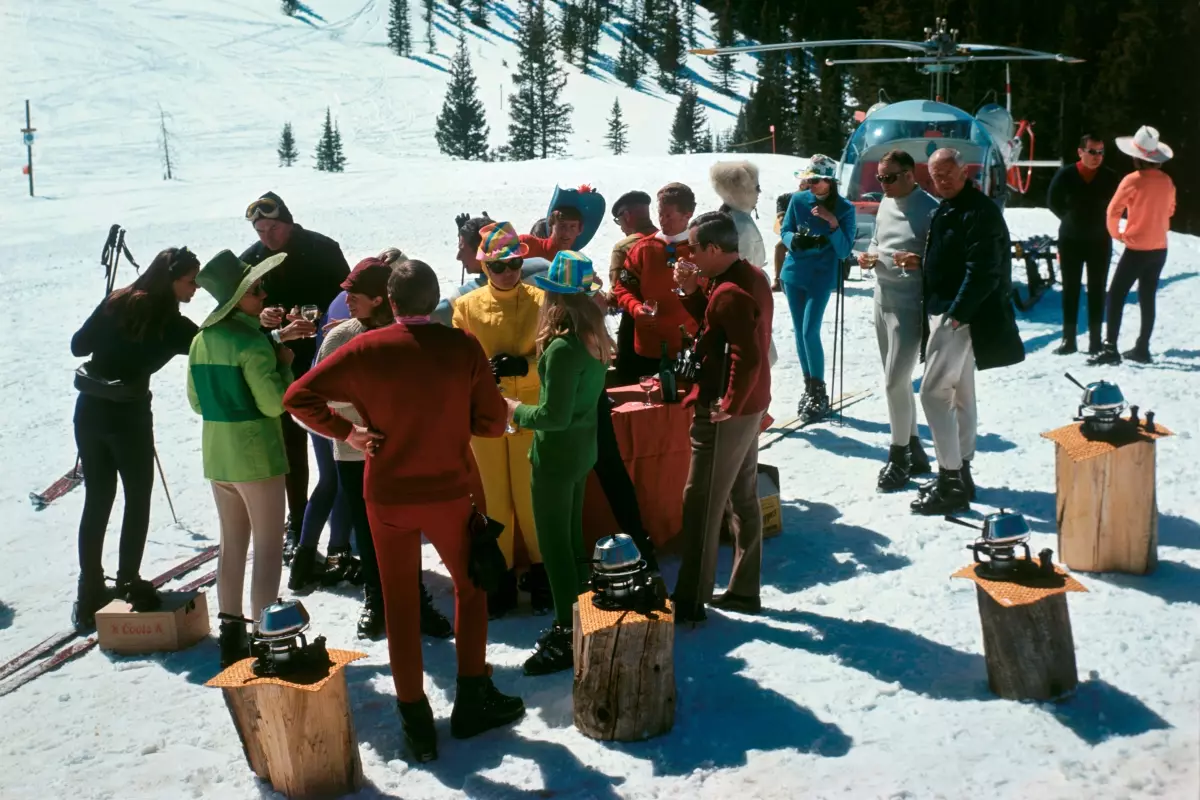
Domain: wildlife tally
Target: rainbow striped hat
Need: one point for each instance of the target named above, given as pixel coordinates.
(499, 242)
(570, 273)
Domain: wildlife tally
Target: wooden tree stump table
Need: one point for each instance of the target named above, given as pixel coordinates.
(1027, 639)
(624, 672)
(1107, 509)
(298, 735)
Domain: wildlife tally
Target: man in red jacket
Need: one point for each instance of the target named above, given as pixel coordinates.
(645, 288)
(422, 390)
(566, 223)
(730, 399)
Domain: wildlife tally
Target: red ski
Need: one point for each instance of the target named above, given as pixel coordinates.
(66, 483)
(56, 661)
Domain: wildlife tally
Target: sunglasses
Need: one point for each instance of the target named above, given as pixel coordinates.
(257, 289)
(499, 267)
(888, 179)
(1092, 152)
(264, 208)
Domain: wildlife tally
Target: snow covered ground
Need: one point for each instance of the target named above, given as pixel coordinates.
(865, 677)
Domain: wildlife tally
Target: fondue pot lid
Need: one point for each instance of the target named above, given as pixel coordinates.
(616, 552)
(1005, 527)
(282, 619)
(1103, 394)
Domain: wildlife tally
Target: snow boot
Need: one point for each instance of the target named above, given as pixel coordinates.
(91, 595)
(234, 643)
(340, 566)
(537, 583)
(433, 622)
(918, 461)
(818, 406)
(139, 593)
(1094, 343)
(371, 620)
(1138, 355)
(1068, 342)
(895, 472)
(967, 478)
(291, 539)
(553, 653)
(306, 573)
(947, 496)
(1108, 356)
(504, 599)
(479, 706)
(419, 734)
(805, 398)
(728, 601)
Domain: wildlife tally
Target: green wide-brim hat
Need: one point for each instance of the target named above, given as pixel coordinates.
(227, 278)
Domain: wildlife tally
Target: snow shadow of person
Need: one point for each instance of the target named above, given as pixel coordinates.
(6, 615)
(1171, 581)
(984, 442)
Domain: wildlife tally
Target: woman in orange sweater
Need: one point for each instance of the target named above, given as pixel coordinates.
(1147, 199)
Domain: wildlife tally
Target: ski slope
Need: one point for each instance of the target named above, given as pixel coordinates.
(864, 678)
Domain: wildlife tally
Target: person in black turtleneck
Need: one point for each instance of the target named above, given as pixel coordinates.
(1079, 195)
(312, 274)
(131, 335)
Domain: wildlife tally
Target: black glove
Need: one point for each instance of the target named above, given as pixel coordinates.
(461, 220)
(506, 366)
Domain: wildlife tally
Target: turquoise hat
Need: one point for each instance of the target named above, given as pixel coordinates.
(227, 278)
(570, 273)
(819, 166)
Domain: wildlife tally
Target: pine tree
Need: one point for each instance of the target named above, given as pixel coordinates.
(290, 7)
(338, 163)
(618, 131)
(689, 130)
(462, 130)
(427, 16)
(669, 52)
(592, 24)
(540, 122)
(629, 63)
(287, 146)
(645, 22)
(460, 17)
(722, 66)
(399, 31)
(689, 22)
(479, 13)
(326, 146)
(768, 104)
(570, 32)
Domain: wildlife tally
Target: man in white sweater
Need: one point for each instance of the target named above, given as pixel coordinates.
(901, 227)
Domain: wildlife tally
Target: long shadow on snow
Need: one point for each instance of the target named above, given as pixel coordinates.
(1172, 581)
(1039, 507)
(6, 615)
(803, 556)
(984, 443)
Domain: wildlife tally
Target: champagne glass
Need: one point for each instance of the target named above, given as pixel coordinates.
(651, 307)
(896, 256)
(647, 384)
(686, 266)
(714, 407)
(870, 260)
(310, 313)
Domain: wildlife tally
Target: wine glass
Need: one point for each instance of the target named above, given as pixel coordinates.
(310, 313)
(686, 266)
(896, 256)
(714, 407)
(651, 307)
(647, 384)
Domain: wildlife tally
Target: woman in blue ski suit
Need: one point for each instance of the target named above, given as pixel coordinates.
(818, 232)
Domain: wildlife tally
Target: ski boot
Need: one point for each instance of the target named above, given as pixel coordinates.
(1107, 357)
(553, 653)
(306, 572)
(479, 706)
(537, 583)
(1138, 355)
(291, 539)
(895, 472)
(918, 461)
(947, 495)
(1094, 344)
(805, 399)
(419, 734)
(1068, 342)
(818, 406)
(340, 565)
(504, 599)
(91, 595)
(234, 643)
(371, 620)
(433, 622)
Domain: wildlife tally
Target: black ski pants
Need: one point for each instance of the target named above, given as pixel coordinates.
(616, 483)
(1074, 255)
(114, 439)
(1136, 266)
(350, 476)
(295, 444)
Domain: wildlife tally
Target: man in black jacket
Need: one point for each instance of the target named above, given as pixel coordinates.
(313, 276)
(1079, 196)
(967, 274)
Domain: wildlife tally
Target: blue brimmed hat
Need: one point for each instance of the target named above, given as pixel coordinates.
(819, 166)
(570, 273)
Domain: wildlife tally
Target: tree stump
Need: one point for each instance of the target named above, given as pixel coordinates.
(1107, 510)
(297, 736)
(624, 672)
(1029, 649)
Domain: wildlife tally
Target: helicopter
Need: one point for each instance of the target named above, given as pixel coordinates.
(990, 142)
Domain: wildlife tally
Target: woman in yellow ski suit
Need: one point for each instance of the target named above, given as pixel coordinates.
(503, 316)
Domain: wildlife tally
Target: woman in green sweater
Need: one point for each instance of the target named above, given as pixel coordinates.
(573, 353)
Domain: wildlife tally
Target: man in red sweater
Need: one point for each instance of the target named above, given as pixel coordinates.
(730, 399)
(422, 390)
(566, 224)
(648, 278)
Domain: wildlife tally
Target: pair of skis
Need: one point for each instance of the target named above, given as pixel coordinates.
(56, 650)
(66, 483)
(772, 435)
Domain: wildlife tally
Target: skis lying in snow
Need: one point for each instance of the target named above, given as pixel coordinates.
(52, 643)
(66, 483)
(845, 400)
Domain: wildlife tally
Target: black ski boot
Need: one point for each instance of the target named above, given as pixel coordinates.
(504, 599)
(947, 496)
(968, 479)
(479, 706)
(139, 593)
(537, 583)
(371, 620)
(433, 622)
(306, 572)
(291, 539)
(895, 473)
(340, 566)
(553, 653)
(1138, 355)
(419, 733)
(91, 595)
(1094, 344)
(1068, 342)
(818, 406)
(1107, 357)
(918, 461)
(234, 643)
(805, 399)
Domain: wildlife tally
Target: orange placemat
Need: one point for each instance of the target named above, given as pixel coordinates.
(1012, 593)
(1080, 448)
(592, 619)
(240, 674)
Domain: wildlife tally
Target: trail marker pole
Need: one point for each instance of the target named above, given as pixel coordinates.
(27, 135)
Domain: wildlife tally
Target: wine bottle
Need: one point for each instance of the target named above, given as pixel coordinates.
(666, 376)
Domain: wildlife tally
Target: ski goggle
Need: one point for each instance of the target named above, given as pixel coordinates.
(263, 208)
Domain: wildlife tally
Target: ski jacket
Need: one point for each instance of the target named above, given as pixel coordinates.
(443, 314)
(1147, 198)
(967, 275)
(1079, 204)
(116, 356)
(564, 419)
(236, 383)
(649, 274)
(505, 322)
(815, 250)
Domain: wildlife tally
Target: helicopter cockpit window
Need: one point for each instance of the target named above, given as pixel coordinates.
(873, 133)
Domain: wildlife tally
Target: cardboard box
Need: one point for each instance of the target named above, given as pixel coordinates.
(180, 623)
(768, 499)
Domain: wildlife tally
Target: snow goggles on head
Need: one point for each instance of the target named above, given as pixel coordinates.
(262, 208)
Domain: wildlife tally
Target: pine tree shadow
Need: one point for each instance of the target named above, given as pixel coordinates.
(7, 614)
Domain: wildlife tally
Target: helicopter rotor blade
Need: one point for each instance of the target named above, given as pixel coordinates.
(996, 48)
(917, 47)
(923, 60)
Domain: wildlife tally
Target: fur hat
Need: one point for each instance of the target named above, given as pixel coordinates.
(736, 183)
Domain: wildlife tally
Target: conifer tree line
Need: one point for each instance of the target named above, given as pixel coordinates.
(1137, 70)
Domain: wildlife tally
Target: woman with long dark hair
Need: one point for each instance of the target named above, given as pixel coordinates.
(131, 335)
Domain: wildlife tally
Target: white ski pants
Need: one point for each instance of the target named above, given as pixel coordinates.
(249, 510)
(898, 331)
(948, 392)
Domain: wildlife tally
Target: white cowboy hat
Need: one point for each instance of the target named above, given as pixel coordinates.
(1145, 145)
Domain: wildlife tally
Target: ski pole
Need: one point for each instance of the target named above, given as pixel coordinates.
(166, 491)
(842, 334)
(833, 362)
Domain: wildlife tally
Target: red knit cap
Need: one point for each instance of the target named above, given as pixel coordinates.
(369, 277)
